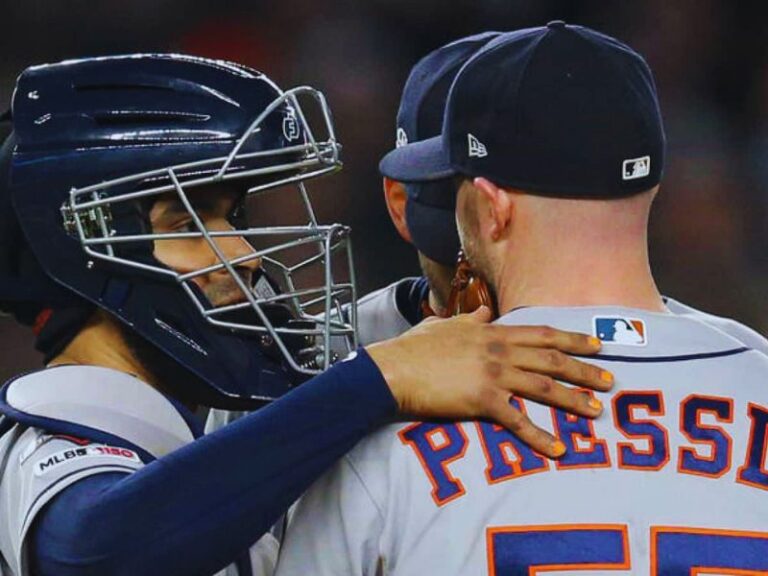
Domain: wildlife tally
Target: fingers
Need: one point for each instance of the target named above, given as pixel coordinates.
(548, 337)
(488, 363)
(521, 426)
(482, 314)
(551, 362)
(545, 390)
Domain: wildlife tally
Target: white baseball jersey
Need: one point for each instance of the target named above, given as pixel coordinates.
(37, 463)
(671, 480)
(380, 318)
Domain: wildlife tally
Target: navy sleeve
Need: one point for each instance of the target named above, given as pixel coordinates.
(410, 296)
(195, 510)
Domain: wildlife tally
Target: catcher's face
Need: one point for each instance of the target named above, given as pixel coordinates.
(217, 210)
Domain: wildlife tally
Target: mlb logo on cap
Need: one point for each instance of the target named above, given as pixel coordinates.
(636, 168)
(619, 330)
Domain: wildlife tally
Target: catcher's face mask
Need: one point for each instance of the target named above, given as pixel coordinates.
(209, 227)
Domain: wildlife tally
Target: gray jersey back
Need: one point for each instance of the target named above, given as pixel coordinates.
(380, 319)
(671, 478)
(731, 327)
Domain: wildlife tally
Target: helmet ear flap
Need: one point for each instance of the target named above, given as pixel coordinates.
(11, 235)
(20, 273)
(25, 289)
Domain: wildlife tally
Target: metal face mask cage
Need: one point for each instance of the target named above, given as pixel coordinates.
(304, 341)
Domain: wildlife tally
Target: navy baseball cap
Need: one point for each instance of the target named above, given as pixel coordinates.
(430, 210)
(557, 110)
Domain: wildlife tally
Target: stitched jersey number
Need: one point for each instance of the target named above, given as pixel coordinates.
(691, 551)
(528, 550)
(524, 551)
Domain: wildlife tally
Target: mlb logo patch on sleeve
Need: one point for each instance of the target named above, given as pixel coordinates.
(619, 330)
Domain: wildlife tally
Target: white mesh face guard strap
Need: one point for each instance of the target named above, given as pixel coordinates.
(316, 310)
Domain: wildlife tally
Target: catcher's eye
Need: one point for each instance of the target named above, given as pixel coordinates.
(237, 216)
(188, 226)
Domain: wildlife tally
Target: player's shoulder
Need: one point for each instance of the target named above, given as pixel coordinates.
(740, 332)
(100, 404)
(389, 294)
(385, 448)
(391, 460)
(389, 311)
(376, 456)
(61, 425)
(384, 441)
(644, 333)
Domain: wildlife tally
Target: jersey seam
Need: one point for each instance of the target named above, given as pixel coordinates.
(359, 477)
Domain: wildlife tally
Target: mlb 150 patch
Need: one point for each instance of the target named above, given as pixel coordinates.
(620, 330)
(94, 451)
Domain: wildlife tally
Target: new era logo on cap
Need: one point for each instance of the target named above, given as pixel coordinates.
(476, 148)
(636, 168)
(620, 330)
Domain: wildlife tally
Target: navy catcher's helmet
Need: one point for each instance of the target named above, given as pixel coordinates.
(96, 141)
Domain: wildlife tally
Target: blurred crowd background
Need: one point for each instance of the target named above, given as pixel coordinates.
(709, 235)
